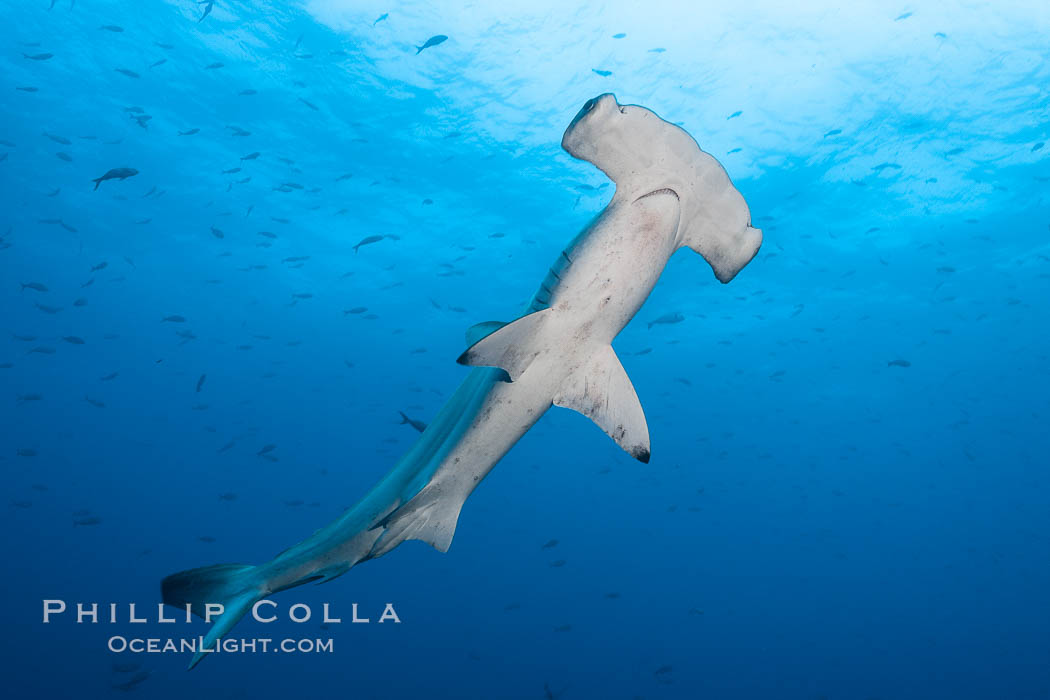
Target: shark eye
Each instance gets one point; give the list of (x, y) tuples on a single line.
[(587, 108)]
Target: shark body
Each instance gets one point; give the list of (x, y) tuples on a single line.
[(669, 195)]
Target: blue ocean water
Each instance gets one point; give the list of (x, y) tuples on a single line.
[(847, 496)]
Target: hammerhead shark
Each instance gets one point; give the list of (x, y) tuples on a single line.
[(669, 195)]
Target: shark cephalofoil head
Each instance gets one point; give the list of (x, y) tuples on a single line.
[(642, 154)]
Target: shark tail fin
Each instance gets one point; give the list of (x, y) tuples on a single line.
[(97, 182), (232, 586), (404, 418), (430, 516)]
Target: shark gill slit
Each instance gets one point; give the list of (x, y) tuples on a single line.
[(662, 190)]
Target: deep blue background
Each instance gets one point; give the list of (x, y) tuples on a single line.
[(815, 522)]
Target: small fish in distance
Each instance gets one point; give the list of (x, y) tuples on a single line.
[(432, 41), (367, 241), (115, 174), (417, 424), (667, 319)]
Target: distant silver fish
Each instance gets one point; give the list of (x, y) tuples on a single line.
[(115, 174), (367, 240), (671, 318), (417, 424), (432, 41)]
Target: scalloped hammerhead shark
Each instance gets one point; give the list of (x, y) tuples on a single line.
[(669, 195)]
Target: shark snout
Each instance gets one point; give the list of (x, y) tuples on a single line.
[(585, 128)]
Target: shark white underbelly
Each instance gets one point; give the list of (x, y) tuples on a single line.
[(669, 195)]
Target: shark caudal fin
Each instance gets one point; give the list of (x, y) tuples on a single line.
[(232, 586)]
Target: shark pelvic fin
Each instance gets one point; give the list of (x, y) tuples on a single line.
[(511, 348), (430, 516), (601, 390)]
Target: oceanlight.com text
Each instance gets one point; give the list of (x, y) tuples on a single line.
[(264, 645)]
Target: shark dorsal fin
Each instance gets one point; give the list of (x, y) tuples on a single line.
[(480, 330), (512, 348), (601, 390)]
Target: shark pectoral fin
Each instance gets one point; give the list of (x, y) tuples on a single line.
[(511, 348), (601, 390), (479, 331)]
